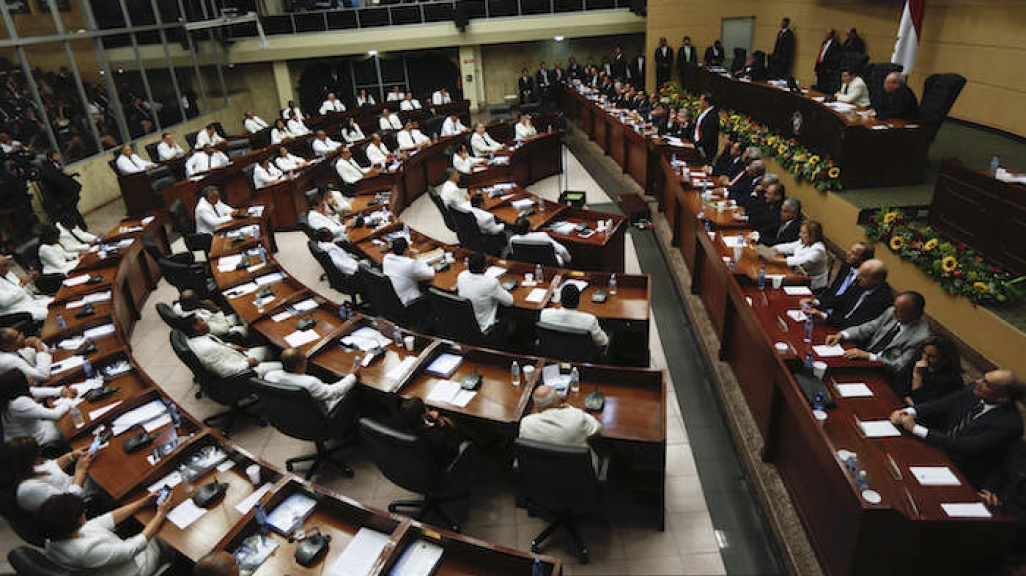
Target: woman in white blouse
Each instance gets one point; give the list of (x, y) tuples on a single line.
[(73, 238), (265, 173), (21, 415), (351, 131), (364, 99), (464, 163), (287, 161), (81, 545), (280, 133), (807, 253), (53, 256), (33, 478), (296, 126)]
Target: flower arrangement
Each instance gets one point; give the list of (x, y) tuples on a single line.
[(959, 270), (803, 164)]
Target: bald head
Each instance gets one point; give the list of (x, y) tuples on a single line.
[(292, 360), (893, 81), (9, 339), (872, 273), (757, 168), (545, 397), (218, 563), (998, 387)]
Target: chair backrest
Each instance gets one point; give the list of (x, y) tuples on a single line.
[(247, 174), (566, 343), (261, 138), (28, 561), (24, 524), (874, 77), (855, 61), (437, 201), (190, 139), (181, 220), (403, 458), (454, 317), (26, 254), (554, 476), (432, 126), (224, 391), (940, 91), (467, 230), (304, 225), (739, 59), (382, 294), (183, 276), (151, 150), (167, 314), (293, 412), (161, 183), (339, 281), (534, 252), (238, 148)]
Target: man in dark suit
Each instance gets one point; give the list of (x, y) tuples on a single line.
[(897, 101), (740, 189), (854, 43), (754, 68), (786, 230), (715, 55), (982, 422), (636, 70), (687, 55), (847, 275), (827, 61), (573, 70), (525, 85), (618, 65), (707, 127), (729, 162), (764, 214), (63, 190), (664, 62), (859, 301), (543, 80), (783, 51), (893, 337)]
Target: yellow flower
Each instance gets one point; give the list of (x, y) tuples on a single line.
[(930, 244), (949, 264), (897, 243), (889, 217), (799, 158), (782, 149), (771, 140), (814, 159), (981, 287), (834, 172)]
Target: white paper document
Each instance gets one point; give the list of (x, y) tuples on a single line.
[(300, 337), (228, 263), (934, 475), (267, 279), (564, 228), (522, 204), (67, 364), (828, 351), (251, 500), (402, 369), (76, 280), (796, 315), (733, 241), (537, 295), (241, 290), (283, 315), (97, 332), (148, 411), (305, 305), (185, 514), (366, 338), (101, 411), (463, 397), (419, 559), (494, 271), (360, 554), (158, 423), (797, 291), (854, 390), (444, 365), (973, 510), (878, 428), (444, 391)]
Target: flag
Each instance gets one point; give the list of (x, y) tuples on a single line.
[(909, 31)]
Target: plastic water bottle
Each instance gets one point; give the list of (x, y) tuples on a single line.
[(434, 137), (673, 160), (514, 373), (862, 480), (612, 284), (102, 248), (852, 464), (172, 411), (260, 515), (397, 336), (995, 163), (733, 265), (762, 277), (87, 367), (807, 364), (537, 569), (60, 321), (538, 273), (575, 380), (346, 311), (708, 225), (808, 328), (263, 254), (76, 417), (818, 403)]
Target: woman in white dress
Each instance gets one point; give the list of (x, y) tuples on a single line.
[(364, 99), (74, 238), (53, 256), (351, 131), (22, 415), (807, 253), (280, 133), (33, 478)]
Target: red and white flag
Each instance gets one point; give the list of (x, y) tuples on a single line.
[(909, 31)]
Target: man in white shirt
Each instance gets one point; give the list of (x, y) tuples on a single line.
[(484, 292), (322, 145), (389, 121), (452, 126), (464, 163), (29, 355), (376, 151), (557, 422), (287, 161), (343, 261), (568, 316), (524, 128), (205, 160), (15, 296), (227, 326), (265, 174), (482, 144), (293, 372), (208, 136), (332, 105), (168, 148), (405, 273), (129, 162), (222, 358), (8, 145), (290, 109), (522, 234), (395, 95), (486, 221), (406, 140), (853, 89), (440, 97), (296, 126), (451, 193), (418, 137), (253, 123), (318, 217), (349, 170), (410, 103), (211, 212)]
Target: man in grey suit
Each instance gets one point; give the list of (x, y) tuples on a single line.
[(892, 337)]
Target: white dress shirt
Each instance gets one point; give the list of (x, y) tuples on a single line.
[(377, 154), (224, 361), (289, 162), (279, 136), (406, 274), (165, 152), (343, 261), (263, 177), (287, 113), (465, 165), (297, 127), (483, 144), (485, 295), (450, 128), (209, 217), (813, 259), (329, 394), (201, 162), (857, 92), (329, 106), (576, 319), (324, 147), (318, 220), (485, 220), (57, 260), (438, 98), (254, 124), (452, 195), (49, 480), (560, 425), (411, 104), (203, 138), (369, 100), (33, 364), (339, 203), (404, 139), (15, 298), (524, 132), (220, 324), (75, 239), (562, 254), (392, 122), (96, 547), (393, 96), (353, 133), (350, 171), (27, 418), (698, 124), (419, 137), (132, 164)]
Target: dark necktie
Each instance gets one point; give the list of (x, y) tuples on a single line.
[(862, 298), (887, 338), (968, 417), (845, 89)]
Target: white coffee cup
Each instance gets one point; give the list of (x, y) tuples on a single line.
[(528, 371), (781, 347), (778, 281), (821, 416), (253, 473), (409, 341), (819, 368), (528, 278)]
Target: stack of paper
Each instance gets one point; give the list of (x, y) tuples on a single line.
[(228, 263), (185, 514), (854, 390), (300, 337), (305, 305), (360, 554), (419, 559), (366, 338), (267, 279), (149, 411), (451, 393), (797, 291), (828, 351), (76, 280), (537, 295), (494, 271), (98, 332), (934, 475), (396, 373), (289, 515), (970, 510), (522, 204), (878, 429), (562, 227), (66, 364), (796, 315), (242, 290), (89, 299), (444, 365)]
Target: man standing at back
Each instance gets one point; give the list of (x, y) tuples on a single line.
[(783, 51), (664, 62)]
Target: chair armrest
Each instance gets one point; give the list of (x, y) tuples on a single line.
[(14, 319), (182, 258)]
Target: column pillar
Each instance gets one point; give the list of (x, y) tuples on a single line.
[(472, 75), (282, 81)]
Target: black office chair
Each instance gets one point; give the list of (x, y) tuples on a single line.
[(349, 285), (190, 139), (156, 252), (195, 276), (167, 314), (294, 413), (453, 318), (26, 255), (233, 392), (740, 55), (383, 298), (151, 150), (238, 148), (854, 61), (183, 223), (874, 77), (533, 252), (21, 321), (939, 94), (247, 175), (407, 462), (560, 484), (304, 225), (23, 523), (471, 237), (28, 561), (565, 343), (445, 212), (432, 126)]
